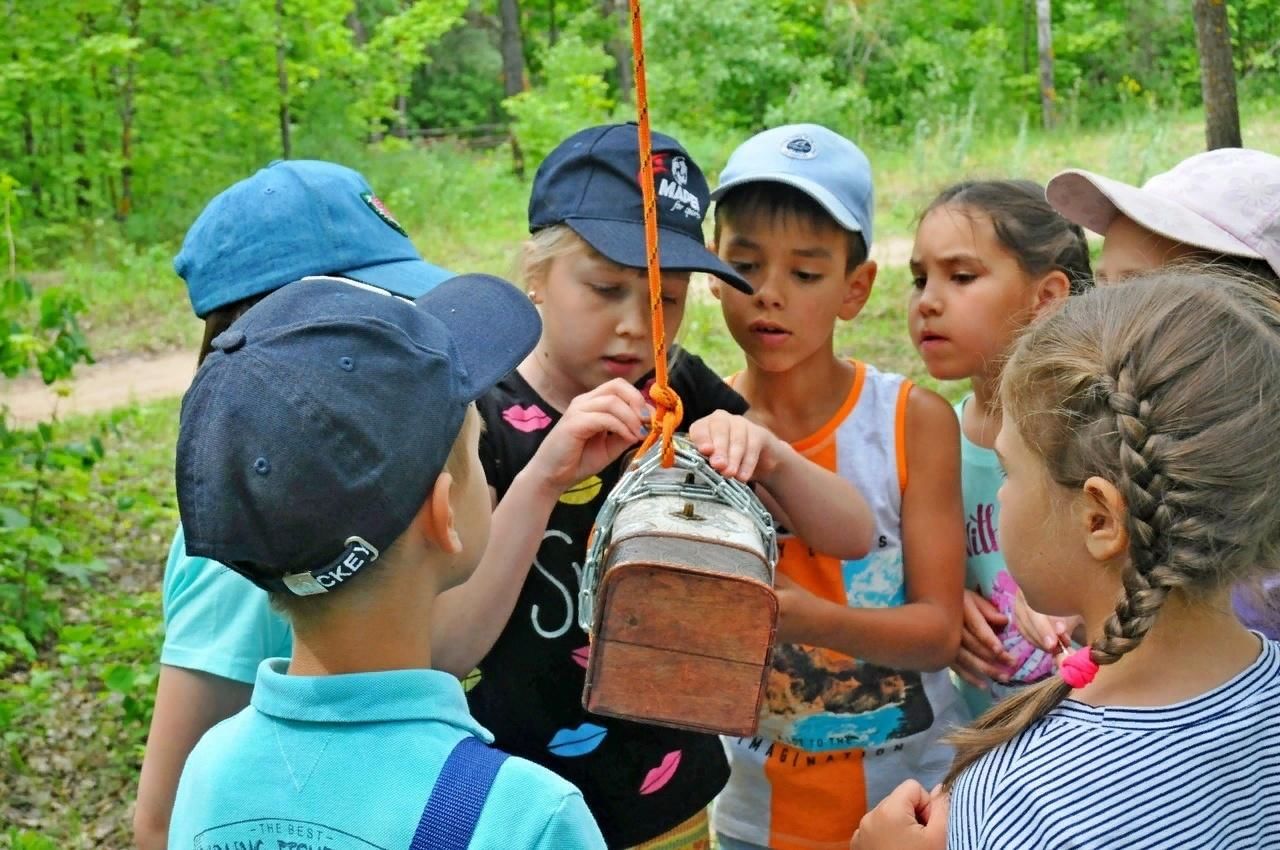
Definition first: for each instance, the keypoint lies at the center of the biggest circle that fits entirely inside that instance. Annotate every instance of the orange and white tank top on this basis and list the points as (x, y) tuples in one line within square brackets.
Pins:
[(837, 734)]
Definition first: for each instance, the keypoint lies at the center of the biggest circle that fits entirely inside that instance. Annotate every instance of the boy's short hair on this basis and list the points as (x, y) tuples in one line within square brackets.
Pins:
[(590, 183), (774, 202), (802, 170), (315, 430)]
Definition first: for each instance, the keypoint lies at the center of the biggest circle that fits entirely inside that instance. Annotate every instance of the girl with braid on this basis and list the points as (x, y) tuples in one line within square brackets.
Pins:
[(1140, 445)]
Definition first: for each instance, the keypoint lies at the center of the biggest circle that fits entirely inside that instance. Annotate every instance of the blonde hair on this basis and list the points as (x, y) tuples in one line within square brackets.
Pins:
[(544, 247), (1168, 386)]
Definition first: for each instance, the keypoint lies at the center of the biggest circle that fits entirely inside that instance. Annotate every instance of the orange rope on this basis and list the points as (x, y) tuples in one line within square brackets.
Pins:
[(668, 410)]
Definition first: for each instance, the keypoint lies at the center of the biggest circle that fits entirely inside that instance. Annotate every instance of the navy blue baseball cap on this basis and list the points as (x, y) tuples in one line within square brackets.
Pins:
[(819, 162), (316, 428), (591, 182), (290, 220)]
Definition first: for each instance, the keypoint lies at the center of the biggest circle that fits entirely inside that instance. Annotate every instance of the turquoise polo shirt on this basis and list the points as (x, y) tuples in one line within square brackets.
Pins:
[(347, 763), (217, 621)]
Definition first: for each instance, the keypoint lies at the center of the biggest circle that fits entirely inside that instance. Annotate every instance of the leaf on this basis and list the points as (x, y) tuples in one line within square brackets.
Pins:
[(10, 518), (118, 678)]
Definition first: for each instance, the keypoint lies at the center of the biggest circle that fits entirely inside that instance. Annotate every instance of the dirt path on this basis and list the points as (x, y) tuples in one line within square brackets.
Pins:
[(102, 386), (128, 380)]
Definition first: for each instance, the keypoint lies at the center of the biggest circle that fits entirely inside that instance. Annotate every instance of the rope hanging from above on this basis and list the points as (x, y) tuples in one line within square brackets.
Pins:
[(668, 409)]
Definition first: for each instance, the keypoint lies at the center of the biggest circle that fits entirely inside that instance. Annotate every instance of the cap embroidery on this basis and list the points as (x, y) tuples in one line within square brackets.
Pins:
[(799, 147), (375, 203), (680, 170), (358, 554)]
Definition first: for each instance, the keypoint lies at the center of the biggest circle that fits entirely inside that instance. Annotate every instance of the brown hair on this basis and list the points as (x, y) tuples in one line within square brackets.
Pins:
[(1026, 226), (217, 321), (774, 202), (1169, 387)]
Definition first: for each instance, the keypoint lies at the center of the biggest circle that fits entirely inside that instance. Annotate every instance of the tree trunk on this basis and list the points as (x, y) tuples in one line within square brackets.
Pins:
[(619, 45), (553, 32), (1044, 39), (132, 10), (282, 78), (358, 33), (512, 49), (1217, 75)]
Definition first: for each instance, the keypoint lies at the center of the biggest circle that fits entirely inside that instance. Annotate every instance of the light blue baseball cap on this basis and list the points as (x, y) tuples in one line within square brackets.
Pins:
[(819, 162), (291, 220)]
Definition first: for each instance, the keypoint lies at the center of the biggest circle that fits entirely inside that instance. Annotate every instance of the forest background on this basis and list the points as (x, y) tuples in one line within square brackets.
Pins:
[(120, 119)]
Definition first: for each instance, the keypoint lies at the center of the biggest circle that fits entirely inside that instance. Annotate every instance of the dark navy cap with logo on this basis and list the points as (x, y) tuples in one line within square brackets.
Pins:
[(591, 182), (293, 219), (316, 428)]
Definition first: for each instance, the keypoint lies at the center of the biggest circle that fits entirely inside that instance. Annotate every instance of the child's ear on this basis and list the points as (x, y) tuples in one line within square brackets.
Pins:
[(532, 280), (1105, 519), (858, 283), (1052, 290), (435, 517)]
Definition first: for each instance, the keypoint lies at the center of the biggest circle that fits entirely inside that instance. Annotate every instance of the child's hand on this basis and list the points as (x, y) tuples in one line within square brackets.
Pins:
[(793, 609), (735, 447), (981, 657), (1048, 633), (910, 818), (597, 427)]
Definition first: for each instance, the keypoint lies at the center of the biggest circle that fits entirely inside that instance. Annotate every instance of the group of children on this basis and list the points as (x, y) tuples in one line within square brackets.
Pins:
[(406, 466)]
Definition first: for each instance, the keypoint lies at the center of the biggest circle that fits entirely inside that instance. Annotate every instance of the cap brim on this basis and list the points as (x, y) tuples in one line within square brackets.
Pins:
[(493, 325), (843, 216), (408, 278), (623, 243), (1093, 201)]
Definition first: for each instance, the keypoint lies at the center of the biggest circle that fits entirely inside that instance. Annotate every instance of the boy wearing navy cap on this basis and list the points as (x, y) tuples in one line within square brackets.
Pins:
[(301, 467)]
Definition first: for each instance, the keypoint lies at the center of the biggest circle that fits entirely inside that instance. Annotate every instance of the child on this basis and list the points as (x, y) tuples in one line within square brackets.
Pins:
[(989, 256), (299, 466), (251, 239), (1220, 207), (555, 428), (858, 694), (1140, 443)]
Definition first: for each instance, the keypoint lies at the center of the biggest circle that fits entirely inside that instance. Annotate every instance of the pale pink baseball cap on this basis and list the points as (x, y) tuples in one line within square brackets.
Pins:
[(1225, 200)]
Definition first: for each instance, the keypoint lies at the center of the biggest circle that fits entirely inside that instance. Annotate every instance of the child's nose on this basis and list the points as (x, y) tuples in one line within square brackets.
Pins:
[(768, 289)]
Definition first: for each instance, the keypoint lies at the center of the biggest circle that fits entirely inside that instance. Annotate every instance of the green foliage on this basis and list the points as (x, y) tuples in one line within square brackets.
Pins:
[(574, 95), (40, 472)]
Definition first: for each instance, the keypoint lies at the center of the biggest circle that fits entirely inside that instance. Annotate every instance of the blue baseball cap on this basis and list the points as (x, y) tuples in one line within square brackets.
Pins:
[(290, 220), (819, 162), (591, 183), (316, 428)]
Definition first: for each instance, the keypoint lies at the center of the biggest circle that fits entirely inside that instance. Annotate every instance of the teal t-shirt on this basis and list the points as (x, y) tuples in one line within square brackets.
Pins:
[(347, 762), (216, 621), (981, 477)]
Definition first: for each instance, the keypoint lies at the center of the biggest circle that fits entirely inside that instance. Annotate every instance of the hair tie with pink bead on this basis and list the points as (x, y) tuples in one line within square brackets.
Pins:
[(1078, 668)]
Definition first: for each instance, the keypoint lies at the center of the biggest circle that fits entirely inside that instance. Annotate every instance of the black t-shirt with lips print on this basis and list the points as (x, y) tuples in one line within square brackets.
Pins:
[(638, 780)]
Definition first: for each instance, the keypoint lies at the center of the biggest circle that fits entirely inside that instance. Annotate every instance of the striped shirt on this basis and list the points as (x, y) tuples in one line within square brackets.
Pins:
[(1204, 773)]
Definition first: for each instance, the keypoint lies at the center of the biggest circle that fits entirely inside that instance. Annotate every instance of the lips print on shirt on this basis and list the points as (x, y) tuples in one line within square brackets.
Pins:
[(656, 779), (526, 419), (571, 743)]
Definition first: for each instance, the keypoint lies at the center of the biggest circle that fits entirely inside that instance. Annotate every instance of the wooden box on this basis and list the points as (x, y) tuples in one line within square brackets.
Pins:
[(684, 614)]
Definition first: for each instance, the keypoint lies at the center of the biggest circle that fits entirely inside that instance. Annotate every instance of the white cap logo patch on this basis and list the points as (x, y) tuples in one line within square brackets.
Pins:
[(799, 147), (680, 170)]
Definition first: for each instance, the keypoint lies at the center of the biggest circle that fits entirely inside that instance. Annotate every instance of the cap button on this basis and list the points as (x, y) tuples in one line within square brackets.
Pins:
[(228, 341)]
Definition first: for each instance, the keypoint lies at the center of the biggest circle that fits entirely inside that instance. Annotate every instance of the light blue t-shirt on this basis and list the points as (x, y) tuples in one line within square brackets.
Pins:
[(347, 762), (217, 621), (985, 572)]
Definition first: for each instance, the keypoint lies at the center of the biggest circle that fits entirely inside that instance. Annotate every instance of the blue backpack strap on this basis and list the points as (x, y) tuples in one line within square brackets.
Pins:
[(453, 809)]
